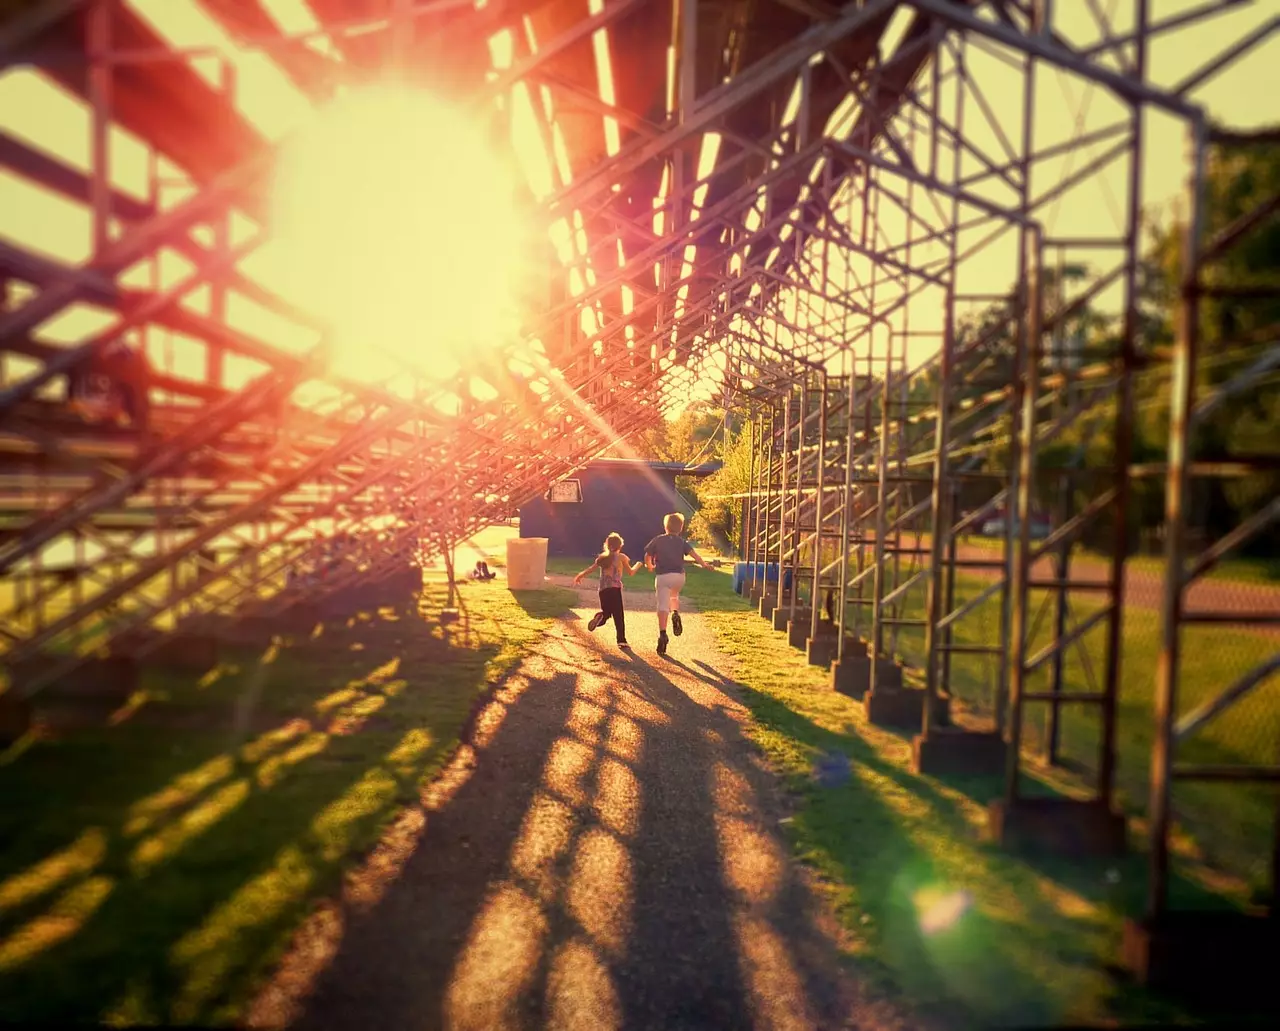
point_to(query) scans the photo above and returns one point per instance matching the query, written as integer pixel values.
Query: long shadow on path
(612, 861)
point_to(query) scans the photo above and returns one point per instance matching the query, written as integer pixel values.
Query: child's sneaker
(676, 627)
(624, 646)
(596, 621)
(662, 643)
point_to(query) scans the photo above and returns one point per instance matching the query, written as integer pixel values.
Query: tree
(683, 439)
(1236, 328)
(719, 517)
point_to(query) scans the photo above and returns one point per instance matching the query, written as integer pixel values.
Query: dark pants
(611, 606)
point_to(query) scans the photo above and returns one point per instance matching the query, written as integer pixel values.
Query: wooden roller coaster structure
(868, 190)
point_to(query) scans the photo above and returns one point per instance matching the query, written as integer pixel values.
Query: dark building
(607, 495)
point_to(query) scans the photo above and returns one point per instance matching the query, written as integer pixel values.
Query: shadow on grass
(153, 871)
(547, 603)
(394, 964)
(970, 934)
(975, 935)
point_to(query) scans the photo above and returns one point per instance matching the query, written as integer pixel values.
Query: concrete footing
(852, 675)
(821, 650)
(769, 604)
(1219, 958)
(950, 750)
(902, 707)
(798, 629)
(782, 616)
(1063, 826)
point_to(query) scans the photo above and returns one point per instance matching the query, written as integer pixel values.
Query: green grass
(1229, 825)
(154, 870)
(1034, 943)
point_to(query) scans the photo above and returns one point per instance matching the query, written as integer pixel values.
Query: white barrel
(526, 563)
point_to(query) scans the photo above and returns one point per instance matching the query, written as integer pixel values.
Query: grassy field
(1229, 825)
(1261, 571)
(950, 922)
(153, 870)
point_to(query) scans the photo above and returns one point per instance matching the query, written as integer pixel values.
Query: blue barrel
(743, 571)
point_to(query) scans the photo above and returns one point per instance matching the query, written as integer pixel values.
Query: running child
(612, 563)
(665, 556)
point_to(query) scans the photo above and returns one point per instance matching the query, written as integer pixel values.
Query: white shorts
(668, 586)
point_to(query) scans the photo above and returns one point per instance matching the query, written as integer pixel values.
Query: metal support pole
(1020, 592)
(940, 536)
(817, 509)
(768, 501)
(686, 37)
(215, 356)
(942, 539)
(748, 503)
(882, 525)
(796, 529)
(762, 504)
(1124, 430)
(782, 489)
(1062, 571)
(949, 604)
(1182, 403)
(100, 83)
(1019, 395)
(846, 514)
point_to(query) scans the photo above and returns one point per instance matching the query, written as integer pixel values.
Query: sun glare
(402, 230)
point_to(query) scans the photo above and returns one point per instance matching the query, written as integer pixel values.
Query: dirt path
(608, 856)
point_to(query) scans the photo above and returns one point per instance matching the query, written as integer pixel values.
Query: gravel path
(607, 855)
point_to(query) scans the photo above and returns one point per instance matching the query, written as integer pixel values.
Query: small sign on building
(566, 492)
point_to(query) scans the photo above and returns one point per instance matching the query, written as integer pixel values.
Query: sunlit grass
(154, 871)
(927, 908)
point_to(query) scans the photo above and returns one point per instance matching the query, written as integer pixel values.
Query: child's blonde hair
(673, 523)
(611, 549)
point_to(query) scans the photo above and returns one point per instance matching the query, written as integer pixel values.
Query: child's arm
(578, 579)
(698, 559)
(628, 565)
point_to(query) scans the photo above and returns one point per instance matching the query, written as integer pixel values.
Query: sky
(51, 120)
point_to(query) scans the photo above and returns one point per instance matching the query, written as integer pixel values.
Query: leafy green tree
(719, 518)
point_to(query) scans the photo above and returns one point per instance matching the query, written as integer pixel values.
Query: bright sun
(401, 229)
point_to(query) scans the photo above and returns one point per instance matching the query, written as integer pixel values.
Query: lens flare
(401, 228)
(938, 909)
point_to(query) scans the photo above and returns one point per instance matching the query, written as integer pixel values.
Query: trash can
(526, 563)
